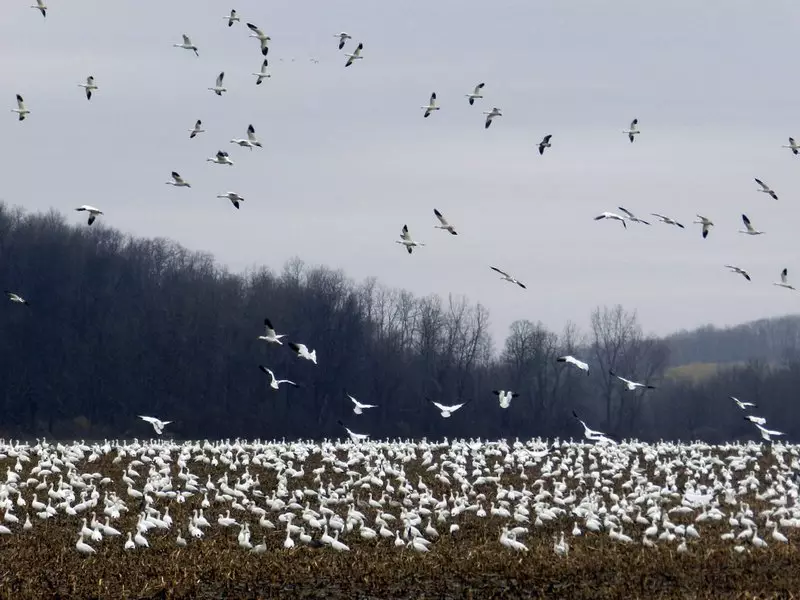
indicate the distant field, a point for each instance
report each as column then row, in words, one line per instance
column 419, row 520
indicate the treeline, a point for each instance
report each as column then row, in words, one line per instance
column 120, row 326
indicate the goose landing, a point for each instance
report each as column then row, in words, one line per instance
column 447, row 410
column 505, row 397
column 358, row 407
column 157, row 424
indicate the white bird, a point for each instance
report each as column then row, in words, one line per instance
column 593, row 434
column 302, row 352
column 792, row 146
column 407, row 240
column 633, row 130
column 706, row 223
column 221, row 158
column 93, row 212
column 21, row 110
column 572, row 360
column 631, row 385
column 198, row 128
column 263, row 73
column 431, row 106
column 667, row 220
column 749, row 229
column 505, row 397
column 447, row 410
column 40, row 6
column 233, row 197
column 231, row 17
column 177, row 180
column 756, row 420
column 358, row 407
column 495, row 112
column 784, row 281
column 743, row 405
column 356, row 437
column 739, row 270
column 83, row 547
column 768, row 433
column 631, row 217
column 16, row 298
column 218, row 89
column 343, row 37
column 355, row 55
column 187, row 45
column 444, row 224
column 506, row 277
column 89, row 86
column 476, row 93
column 250, row 141
column 270, row 335
column 613, row 217
column 545, row 143
column 275, row 383
column 261, row 37
column 157, row 424
column 765, row 188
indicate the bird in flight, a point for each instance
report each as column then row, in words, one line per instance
column 358, row 407
column 444, row 224
column 545, row 143
column 21, row 110
column 495, row 112
column 506, row 277
column 784, row 282
column 355, row 55
column 356, row 437
column 198, row 128
column 187, row 45
column 574, row 361
column 740, row 271
column 633, row 130
column 476, row 93
column 431, row 106
column 157, row 424
column 231, row 17
column 93, row 212
column 40, row 6
column 631, row 217
column 445, row 409
column 302, row 352
column 343, row 37
column 16, row 298
column 792, row 146
column 613, row 217
column 270, row 335
column 505, row 397
column 177, row 180
column 276, row 383
column 261, row 37
column 233, row 197
column 706, row 223
column 218, row 89
column 263, row 73
column 631, row 385
column 89, row 86
column 749, row 229
column 667, row 220
column 407, row 240
column 766, row 189
column 743, row 405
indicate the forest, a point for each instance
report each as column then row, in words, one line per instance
column 119, row 326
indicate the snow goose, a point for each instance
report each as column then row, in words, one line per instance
column 739, row 270
column 343, row 37
column 177, row 180
column 633, row 130
column 593, row 434
column 611, row 216
column 233, row 197
column 355, row 55
column 21, row 110
column 431, row 106
column 506, row 277
column 358, row 407
column 476, row 93
column 447, row 410
column 187, row 45
column 218, row 89
column 631, row 217
column 82, row 547
column 755, row 420
column 765, row 188
column 270, row 335
column 221, row 158
column 16, row 298
column 93, row 212
column 784, row 280
column 260, row 36
column 407, row 240
column 631, row 385
column 505, row 397
column 231, row 17
column 250, row 141
column 302, row 352
column 495, row 112
column 767, row 434
column 743, row 405
column 263, row 73
column 749, row 229
column 89, row 86
column 667, row 220
column 356, row 437
column 275, row 383
column 158, row 424
column 706, row 223
column 198, row 128
column 574, row 361
column 40, row 6
column 444, row 224
column 792, row 146
column 545, row 143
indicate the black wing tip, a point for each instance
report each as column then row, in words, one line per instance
column 496, row 392
column 574, row 414
column 561, row 359
column 268, row 323
column 342, row 424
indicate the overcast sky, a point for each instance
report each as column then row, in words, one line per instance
column 348, row 158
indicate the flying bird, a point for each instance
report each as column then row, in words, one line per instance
column 633, row 130
column 613, row 217
column 270, row 335
column 260, row 36
column 740, row 271
column 631, row 385
column 302, row 352
column 476, row 93
column 495, row 112
column 767, row 434
column 444, row 224
column 447, row 410
column 506, row 277
column 792, row 146
column 16, row 298
column 356, row 437
column 749, row 229
column 431, row 106
column 40, row 6
column 784, row 280
column 545, row 143
column 592, row 434
column 187, row 45
column 221, row 158
column 89, row 86
column 198, row 128
column 233, row 197
column 177, row 180
column 251, row 140
column 355, row 55
column 407, row 240
column 743, row 405
column 93, row 212
column 631, row 217
column 263, row 73
column 667, row 220
column 358, row 407
column 343, row 37
column 505, row 397
column 765, row 188
column 706, row 223
column 231, row 17
column 574, row 361
column 21, row 110
column 218, row 89
column 275, row 383
column 157, row 424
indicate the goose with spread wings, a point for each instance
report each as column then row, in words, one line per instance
column 545, row 143
column 355, row 55
column 506, row 277
column 177, row 180
column 765, row 188
column 743, row 405
column 593, row 434
column 198, row 128
column 218, row 88
column 633, row 130
column 343, row 37
column 21, row 111
column 187, row 45
column 231, row 17
column 445, row 409
column 574, row 361
column 276, row 383
column 631, row 385
column 263, row 73
column 407, row 240
column 706, row 223
column 612, row 217
column 16, row 298
column 739, row 270
column 89, row 85
column 158, row 424
column 358, row 407
column 270, row 335
column 444, row 224
column 784, row 282
column 262, row 38
column 792, row 146
column 505, row 397
column 302, row 352
column 356, row 437
column 632, row 217
column 476, row 93
column 667, row 220
column 431, row 106
column 748, row 227
column 93, row 212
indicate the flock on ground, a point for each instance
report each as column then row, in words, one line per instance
column 409, row 495
column 90, row 86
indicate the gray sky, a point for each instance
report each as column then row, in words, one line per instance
column 348, row 158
